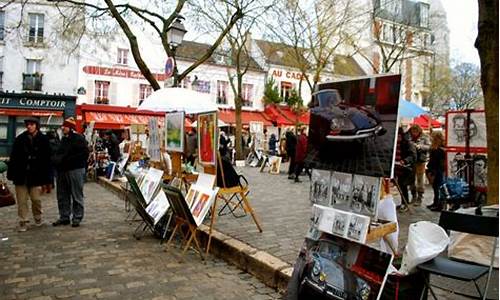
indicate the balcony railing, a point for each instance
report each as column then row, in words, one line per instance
column 247, row 103
column 101, row 100
column 221, row 100
column 32, row 82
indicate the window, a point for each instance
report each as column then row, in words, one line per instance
column 186, row 82
column 424, row 15
column 247, row 94
column 144, row 91
column 32, row 78
column 392, row 6
column 201, row 86
column 2, row 25
column 4, row 122
column 1, row 73
column 286, row 90
column 36, row 28
column 122, row 56
column 101, row 92
column 222, row 91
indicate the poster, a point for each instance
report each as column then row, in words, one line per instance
column 207, row 138
column 256, row 127
column 199, row 200
column 456, row 126
column 353, row 125
column 275, row 162
column 154, row 151
column 158, row 207
column 174, row 131
column 456, row 167
column 319, row 191
column 150, row 183
column 333, row 267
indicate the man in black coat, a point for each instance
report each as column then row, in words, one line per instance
column 70, row 161
column 112, row 144
column 29, row 169
column 290, row 145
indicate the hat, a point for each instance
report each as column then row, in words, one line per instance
column 70, row 123
column 32, row 120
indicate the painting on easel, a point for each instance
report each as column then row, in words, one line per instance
column 207, row 138
column 174, row 131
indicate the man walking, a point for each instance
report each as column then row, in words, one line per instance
column 300, row 153
column 70, row 161
column 29, row 169
column 422, row 145
column 291, row 144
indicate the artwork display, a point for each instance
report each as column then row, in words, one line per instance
column 110, row 170
column 158, row 207
column 319, row 192
column 338, row 268
column 199, row 200
column 122, row 162
column 154, row 151
column 456, row 167
column 150, row 183
column 346, row 224
column 365, row 195
column 256, row 127
column 353, row 125
column 341, row 190
column 275, row 164
column 358, row 228
column 456, row 126
column 207, row 138
column 174, row 131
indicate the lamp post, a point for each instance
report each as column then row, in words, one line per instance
column 175, row 35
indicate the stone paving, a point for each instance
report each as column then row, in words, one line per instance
column 102, row 260
column 284, row 209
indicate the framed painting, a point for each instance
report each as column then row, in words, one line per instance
column 174, row 131
column 207, row 138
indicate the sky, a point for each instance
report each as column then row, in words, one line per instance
column 462, row 18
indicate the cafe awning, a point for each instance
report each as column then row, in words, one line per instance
column 424, row 121
column 229, row 117
column 106, row 120
column 293, row 116
column 274, row 114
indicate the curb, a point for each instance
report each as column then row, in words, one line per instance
column 271, row 270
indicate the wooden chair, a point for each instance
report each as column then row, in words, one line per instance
column 461, row 270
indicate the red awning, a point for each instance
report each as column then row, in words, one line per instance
column 423, row 121
column 294, row 117
column 106, row 120
column 228, row 116
column 27, row 112
column 275, row 115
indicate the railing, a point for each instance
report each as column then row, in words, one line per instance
column 32, row 82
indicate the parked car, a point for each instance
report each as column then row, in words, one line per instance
column 326, row 276
column 333, row 119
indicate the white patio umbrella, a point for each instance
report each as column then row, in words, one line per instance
column 220, row 123
column 178, row 99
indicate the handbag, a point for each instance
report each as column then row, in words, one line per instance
column 6, row 197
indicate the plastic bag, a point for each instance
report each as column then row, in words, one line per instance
column 425, row 241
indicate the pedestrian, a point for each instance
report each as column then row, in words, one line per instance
column 291, row 144
column 191, row 149
column 223, row 143
column 300, row 153
column 70, row 162
column 112, row 145
column 435, row 169
column 422, row 145
column 406, row 155
column 29, row 169
column 272, row 144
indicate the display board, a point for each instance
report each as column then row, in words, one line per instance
column 174, row 131
column 353, row 125
column 154, row 147
column 207, row 138
column 456, row 126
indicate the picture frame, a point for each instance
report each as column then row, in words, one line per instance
column 150, row 183
column 158, row 207
column 275, row 164
column 320, row 188
column 174, row 131
column 207, row 138
column 202, row 200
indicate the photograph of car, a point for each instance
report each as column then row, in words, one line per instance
column 352, row 126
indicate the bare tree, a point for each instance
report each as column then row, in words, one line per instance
column 465, row 89
column 487, row 46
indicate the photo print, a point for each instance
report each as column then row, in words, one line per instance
column 158, row 207
column 319, row 191
column 365, row 195
column 340, row 223
column 275, row 162
column 333, row 267
column 207, row 138
column 174, row 131
column 456, row 128
column 358, row 228
column 352, row 126
column 341, row 190
column 202, row 201
column 313, row 232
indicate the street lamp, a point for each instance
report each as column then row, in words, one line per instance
column 175, row 35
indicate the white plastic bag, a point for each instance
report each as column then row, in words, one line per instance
column 425, row 241
column 387, row 211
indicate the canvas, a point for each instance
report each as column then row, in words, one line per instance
column 319, row 191
column 154, row 151
column 149, row 184
column 174, row 131
column 352, row 127
column 456, row 126
column 201, row 201
column 332, row 267
column 207, row 138
column 275, row 162
column 158, row 207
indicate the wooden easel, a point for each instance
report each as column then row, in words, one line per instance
column 242, row 191
column 188, row 238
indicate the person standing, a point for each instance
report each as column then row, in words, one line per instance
column 300, row 153
column 422, row 145
column 113, row 145
column 191, row 148
column 70, row 162
column 406, row 155
column 291, row 144
column 272, row 144
column 435, row 168
column 29, row 169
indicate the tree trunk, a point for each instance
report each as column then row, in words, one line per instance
column 239, row 126
column 487, row 46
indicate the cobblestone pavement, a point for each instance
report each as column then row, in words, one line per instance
column 283, row 208
column 101, row 260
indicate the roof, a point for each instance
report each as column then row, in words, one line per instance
column 193, row 51
column 347, row 66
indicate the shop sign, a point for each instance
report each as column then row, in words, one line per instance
column 28, row 103
column 288, row 74
column 118, row 72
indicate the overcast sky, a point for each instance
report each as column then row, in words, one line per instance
column 462, row 21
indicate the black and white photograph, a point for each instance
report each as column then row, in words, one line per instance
column 313, row 232
column 341, row 190
column 320, row 187
column 358, row 228
column 340, row 223
column 365, row 195
column 480, row 179
column 456, row 128
column 158, row 207
column 352, row 125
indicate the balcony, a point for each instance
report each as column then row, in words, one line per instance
column 221, row 100
column 101, row 100
column 247, row 103
column 32, row 82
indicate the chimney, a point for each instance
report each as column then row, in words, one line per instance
column 248, row 43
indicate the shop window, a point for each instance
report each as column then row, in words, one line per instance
column 222, row 91
column 247, row 94
column 101, row 95
column 201, row 86
column 122, row 56
column 2, row 25
column 286, row 90
column 32, row 78
column 4, row 122
column 36, row 28
column 144, row 91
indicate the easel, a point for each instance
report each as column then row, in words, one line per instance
column 191, row 235
column 225, row 191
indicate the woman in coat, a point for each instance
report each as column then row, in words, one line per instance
column 435, row 168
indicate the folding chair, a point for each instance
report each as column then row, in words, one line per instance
column 461, row 270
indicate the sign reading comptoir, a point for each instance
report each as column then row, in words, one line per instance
column 32, row 103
